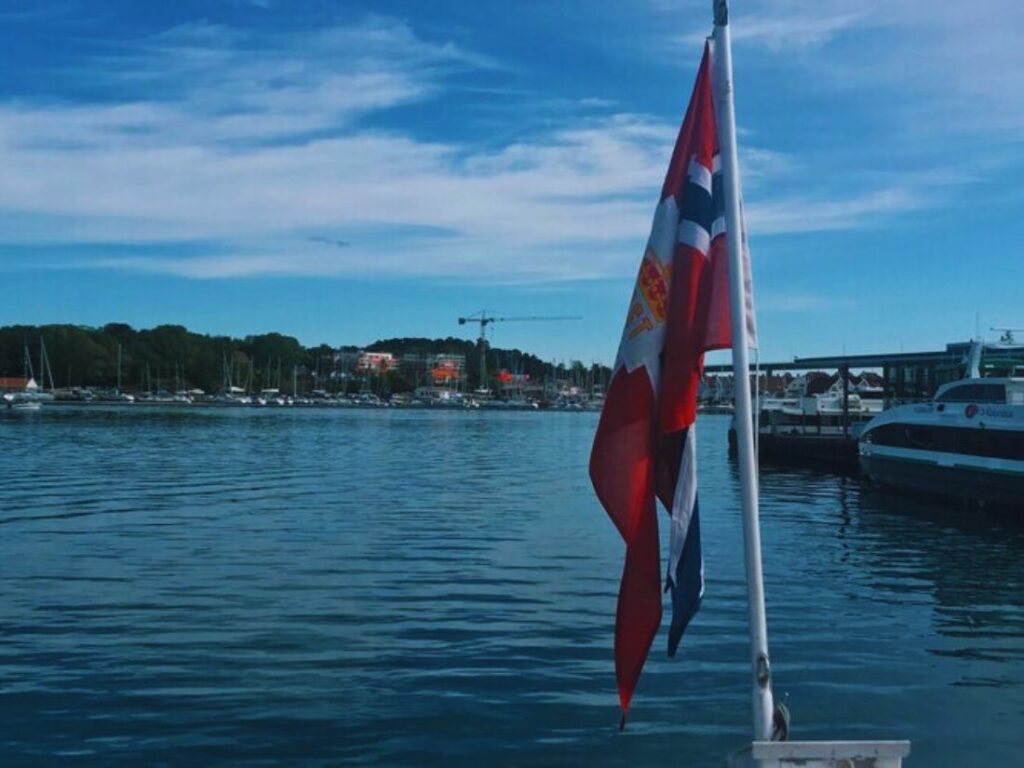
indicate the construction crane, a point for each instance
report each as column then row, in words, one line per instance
column 483, row 319
column 1007, row 337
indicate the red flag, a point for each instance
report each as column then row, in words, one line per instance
column 679, row 309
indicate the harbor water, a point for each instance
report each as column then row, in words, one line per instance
column 253, row 587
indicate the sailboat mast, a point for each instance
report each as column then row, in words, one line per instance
column 726, row 117
column 29, row 372
column 44, row 366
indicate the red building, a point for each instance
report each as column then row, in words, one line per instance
column 16, row 384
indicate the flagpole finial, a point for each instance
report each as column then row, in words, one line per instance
column 721, row 12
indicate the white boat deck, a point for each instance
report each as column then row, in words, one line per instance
column 821, row 754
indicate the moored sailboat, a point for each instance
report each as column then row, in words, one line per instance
column 31, row 395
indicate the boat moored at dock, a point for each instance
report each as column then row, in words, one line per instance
column 968, row 443
column 18, row 403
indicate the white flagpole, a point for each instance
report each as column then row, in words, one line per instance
column 726, row 118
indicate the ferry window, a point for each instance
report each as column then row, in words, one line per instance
column 974, row 442
column 920, row 438
column 975, row 393
column 994, row 443
column 1007, row 445
column 890, row 434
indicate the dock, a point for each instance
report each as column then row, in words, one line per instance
column 831, row 452
column 831, row 444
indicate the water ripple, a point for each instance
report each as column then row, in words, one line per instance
column 396, row 587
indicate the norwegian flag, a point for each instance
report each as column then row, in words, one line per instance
column 645, row 445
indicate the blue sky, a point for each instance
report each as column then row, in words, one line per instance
column 346, row 171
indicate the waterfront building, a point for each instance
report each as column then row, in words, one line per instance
column 447, row 370
column 511, row 384
column 376, row 362
column 441, row 370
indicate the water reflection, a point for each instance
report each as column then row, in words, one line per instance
column 946, row 589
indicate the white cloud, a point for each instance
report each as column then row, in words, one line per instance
column 256, row 149
column 967, row 62
column 260, row 149
column 822, row 214
column 809, row 28
column 760, row 165
column 785, row 25
column 953, row 66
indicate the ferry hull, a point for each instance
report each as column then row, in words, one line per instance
column 951, row 481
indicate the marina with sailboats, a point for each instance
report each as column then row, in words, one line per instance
column 852, row 414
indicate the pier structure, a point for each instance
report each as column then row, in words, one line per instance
column 906, row 377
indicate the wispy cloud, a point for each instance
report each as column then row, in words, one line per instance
column 762, row 165
column 823, row 214
column 336, row 242
column 784, row 26
column 205, row 134
column 200, row 83
column 808, row 28
column 961, row 64
column 255, row 144
column 952, row 67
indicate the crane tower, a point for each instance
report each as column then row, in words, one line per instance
column 484, row 319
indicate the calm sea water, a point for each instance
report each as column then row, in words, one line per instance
column 241, row 587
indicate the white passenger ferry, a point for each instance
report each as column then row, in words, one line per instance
column 967, row 443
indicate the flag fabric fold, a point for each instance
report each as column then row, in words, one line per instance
column 645, row 446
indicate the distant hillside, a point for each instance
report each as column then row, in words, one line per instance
column 171, row 356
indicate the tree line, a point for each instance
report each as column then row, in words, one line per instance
column 171, row 357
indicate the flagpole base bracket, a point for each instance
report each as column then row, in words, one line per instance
column 821, row 754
